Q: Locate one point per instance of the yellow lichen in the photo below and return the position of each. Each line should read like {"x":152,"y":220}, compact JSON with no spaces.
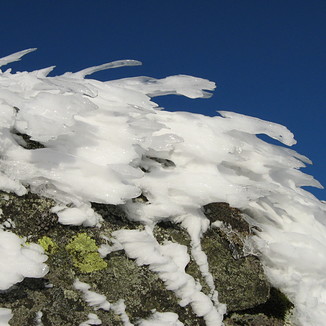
{"x":85,"y":256}
{"x":48,"y":245}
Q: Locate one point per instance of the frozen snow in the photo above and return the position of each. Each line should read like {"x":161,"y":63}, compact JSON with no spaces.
{"x":162,"y":319}
{"x":94,"y":299}
{"x":99,"y":301}
{"x":108,"y":142}
{"x":169,"y":261}
{"x":83,"y":215}
{"x":38,"y":318}
{"x":5,"y":316}
{"x":19,"y":260}
{"x":14,"y":57}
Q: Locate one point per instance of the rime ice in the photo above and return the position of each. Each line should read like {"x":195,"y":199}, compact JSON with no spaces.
{"x":5,"y":316}
{"x":108,"y":142}
{"x":19,"y":260}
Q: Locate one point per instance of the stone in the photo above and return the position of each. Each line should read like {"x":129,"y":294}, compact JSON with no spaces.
{"x":240,"y":282}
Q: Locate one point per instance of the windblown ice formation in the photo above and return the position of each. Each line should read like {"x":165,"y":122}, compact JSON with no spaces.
{"x":107,"y":142}
{"x":99,"y":301}
{"x":5,"y":316}
{"x":19,"y":260}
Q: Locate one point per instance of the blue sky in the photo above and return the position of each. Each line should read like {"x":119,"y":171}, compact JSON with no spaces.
{"x":267,"y":57}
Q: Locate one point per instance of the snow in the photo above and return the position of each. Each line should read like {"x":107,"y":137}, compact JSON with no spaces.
{"x":96,"y":300}
{"x":162,"y":319}
{"x":108,"y":142}
{"x":169,"y":261}
{"x":38,"y":318}
{"x":5,"y":316}
{"x":83,"y":215}
{"x":99,"y":301}
{"x":19,"y":260}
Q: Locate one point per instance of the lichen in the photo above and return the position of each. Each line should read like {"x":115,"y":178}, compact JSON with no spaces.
{"x":29,"y":214}
{"x":85,"y":257}
{"x":49,"y":246}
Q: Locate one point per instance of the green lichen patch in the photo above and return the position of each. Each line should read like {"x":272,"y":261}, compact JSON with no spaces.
{"x":85,"y":257}
{"x":49,"y":246}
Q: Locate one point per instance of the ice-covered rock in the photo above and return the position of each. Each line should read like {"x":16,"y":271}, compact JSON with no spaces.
{"x":109,"y":143}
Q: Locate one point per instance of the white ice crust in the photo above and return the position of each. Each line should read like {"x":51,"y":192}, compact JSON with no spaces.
{"x":5,"y":316}
{"x":96,"y":300}
{"x":107,"y":142}
{"x":38,"y":318}
{"x":162,"y":319}
{"x":19,"y":260}
{"x":169,"y":261}
{"x":99,"y":301}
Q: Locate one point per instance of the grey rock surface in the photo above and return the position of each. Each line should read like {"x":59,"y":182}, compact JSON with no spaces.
{"x":240,"y":280}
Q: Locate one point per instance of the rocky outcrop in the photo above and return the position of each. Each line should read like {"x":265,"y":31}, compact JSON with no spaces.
{"x":72,"y":253}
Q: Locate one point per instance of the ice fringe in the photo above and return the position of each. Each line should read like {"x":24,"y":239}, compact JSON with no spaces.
{"x":169,"y":262}
{"x":5,"y":316}
{"x":107,"y":142}
{"x":99,"y":301}
{"x":19,"y":260}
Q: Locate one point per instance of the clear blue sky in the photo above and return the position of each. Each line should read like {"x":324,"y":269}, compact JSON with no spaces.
{"x":266,"y":56}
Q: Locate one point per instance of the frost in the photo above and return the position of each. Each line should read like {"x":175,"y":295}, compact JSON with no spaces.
{"x":19,"y":260}
{"x":169,"y":261}
{"x":83,"y":215}
{"x":14,"y":57}
{"x":5,"y":316}
{"x":162,"y":319}
{"x":38,"y":318}
{"x":108,"y":142}
{"x":96,"y":300}
{"x":99,"y":301}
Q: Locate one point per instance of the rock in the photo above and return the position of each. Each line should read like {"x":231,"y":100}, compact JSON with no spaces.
{"x":252,"y":320}
{"x":230,"y":225}
{"x":240,"y":281}
{"x":239,"y":278}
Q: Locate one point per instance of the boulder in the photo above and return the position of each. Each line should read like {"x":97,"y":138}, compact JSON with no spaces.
{"x":73,"y":254}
